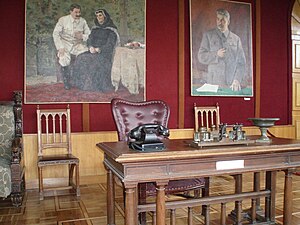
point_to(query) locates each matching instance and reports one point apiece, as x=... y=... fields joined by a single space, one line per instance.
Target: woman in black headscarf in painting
x=92 y=69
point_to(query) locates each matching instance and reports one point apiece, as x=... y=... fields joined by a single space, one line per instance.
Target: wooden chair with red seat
x=55 y=148
x=128 y=115
x=207 y=116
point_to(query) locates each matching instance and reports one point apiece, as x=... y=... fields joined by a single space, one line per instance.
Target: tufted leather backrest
x=128 y=115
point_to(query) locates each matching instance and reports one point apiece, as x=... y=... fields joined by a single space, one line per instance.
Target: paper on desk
x=208 y=88
x=231 y=164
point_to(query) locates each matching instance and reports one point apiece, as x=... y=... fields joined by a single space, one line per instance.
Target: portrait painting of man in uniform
x=221 y=48
x=84 y=51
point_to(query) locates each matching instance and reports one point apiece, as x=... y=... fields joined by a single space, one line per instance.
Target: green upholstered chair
x=12 y=184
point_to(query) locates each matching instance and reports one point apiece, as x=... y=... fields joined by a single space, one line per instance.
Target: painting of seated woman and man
x=91 y=65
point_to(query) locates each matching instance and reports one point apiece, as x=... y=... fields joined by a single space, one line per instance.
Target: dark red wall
x=162 y=66
x=276 y=60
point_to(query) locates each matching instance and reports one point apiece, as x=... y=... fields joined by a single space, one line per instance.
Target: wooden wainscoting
x=84 y=147
x=91 y=166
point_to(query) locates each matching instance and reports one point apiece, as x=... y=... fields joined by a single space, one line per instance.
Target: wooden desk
x=180 y=161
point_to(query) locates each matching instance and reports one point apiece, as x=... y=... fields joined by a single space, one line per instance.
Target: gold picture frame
x=44 y=78
x=230 y=74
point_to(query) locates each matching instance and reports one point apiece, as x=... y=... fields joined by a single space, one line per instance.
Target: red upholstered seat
x=176 y=186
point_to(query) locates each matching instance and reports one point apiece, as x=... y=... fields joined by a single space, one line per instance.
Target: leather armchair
x=128 y=115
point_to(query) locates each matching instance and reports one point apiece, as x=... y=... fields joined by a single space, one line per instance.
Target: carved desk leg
x=131 y=216
x=255 y=211
x=237 y=215
x=256 y=188
x=160 y=203
x=270 y=200
x=110 y=198
x=288 y=197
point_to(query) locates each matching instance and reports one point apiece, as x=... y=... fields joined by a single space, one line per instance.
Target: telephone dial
x=147 y=137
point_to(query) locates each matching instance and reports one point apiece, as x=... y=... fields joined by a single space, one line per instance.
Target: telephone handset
x=147 y=137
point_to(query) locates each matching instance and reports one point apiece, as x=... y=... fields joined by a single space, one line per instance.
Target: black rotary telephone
x=147 y=137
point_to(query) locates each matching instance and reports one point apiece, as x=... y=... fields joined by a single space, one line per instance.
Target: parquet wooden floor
x=62 y=208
